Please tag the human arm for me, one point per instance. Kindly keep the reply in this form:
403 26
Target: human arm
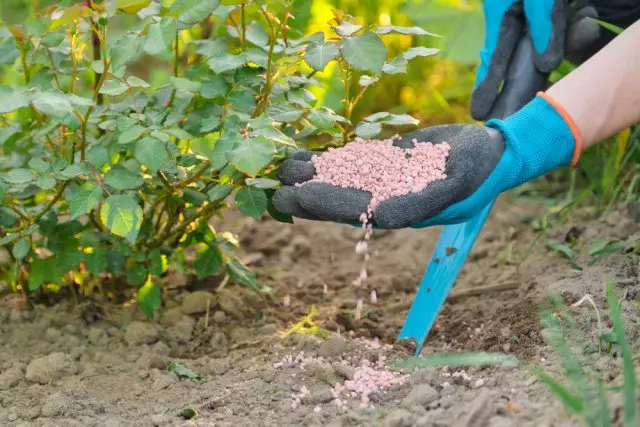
597 100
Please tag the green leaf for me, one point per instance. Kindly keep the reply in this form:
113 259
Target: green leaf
85 199
286 113
3 190
223 146
73 171
368 129
365 80
611 27
322 118
39 165
132 6
571 402
96 262
262 183
388 29
125 50
250 156
122 216
225 61
136 275
242 274
419 51
242 102
40 271
317 56
251 201
151 152
180 133
183 84
182 371
8 238
134 81
366 52
122 179
98 156
11 100
149 298
214 88
208 261
209 48
131 134
400 120
219 192
18 176
21 248
347 28
397 65
160 36
198 12
113 88
45 182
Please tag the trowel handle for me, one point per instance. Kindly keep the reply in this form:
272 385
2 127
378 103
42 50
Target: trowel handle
522 82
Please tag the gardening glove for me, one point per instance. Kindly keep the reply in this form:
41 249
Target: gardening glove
483 162
558 29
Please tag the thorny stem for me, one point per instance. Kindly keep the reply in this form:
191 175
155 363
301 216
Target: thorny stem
171 235
195 176
344 73
176 63
243 27
264 97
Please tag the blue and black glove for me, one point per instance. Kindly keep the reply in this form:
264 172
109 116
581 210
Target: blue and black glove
484 161
557 29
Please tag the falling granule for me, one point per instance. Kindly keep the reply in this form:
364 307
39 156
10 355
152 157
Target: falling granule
286 300
384 170
373 297
325 289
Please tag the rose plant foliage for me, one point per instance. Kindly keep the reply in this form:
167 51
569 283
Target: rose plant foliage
104 175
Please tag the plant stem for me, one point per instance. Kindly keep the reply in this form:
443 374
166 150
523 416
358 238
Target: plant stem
243 27
264 97
170 235
176 63
195 176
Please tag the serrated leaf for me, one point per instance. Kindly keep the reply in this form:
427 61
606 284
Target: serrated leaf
242 102
130 134
208 261
160 36
375 117
113 87
186 85
400 120
368 129
180 133
20 248
11 99
151 152
250 156
419 51
321 119
365 80
209 48
53 103
73 171
3 190
225 61
45 182
214 88
122 216
366 52
96 262
124 50
149 298
347 28
182 371
40 271
132 6
18 176
157 262
122 179
219 192
242 274
286 113
8 238
388 29
39 165
317 56
222 148
84 200
251 201
262 183
199 11
136 275
397 65
98 156
134 81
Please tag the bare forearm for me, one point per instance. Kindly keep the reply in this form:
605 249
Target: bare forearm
602 96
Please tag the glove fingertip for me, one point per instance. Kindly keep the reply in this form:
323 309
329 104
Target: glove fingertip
293 172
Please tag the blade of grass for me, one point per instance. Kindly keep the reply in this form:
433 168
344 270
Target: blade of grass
571 402
455 359
628 370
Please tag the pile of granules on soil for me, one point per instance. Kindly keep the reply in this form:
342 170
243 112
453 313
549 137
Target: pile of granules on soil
379 167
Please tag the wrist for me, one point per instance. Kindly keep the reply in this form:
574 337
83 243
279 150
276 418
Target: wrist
541 137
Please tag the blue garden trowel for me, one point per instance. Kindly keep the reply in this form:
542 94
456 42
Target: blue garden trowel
522 83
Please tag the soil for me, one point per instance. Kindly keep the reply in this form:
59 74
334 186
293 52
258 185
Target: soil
101 364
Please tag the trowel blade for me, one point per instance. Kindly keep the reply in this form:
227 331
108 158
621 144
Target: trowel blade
448 258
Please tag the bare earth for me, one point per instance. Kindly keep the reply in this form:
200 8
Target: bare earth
98 364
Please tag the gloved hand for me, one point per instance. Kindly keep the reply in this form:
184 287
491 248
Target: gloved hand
558 29
483 162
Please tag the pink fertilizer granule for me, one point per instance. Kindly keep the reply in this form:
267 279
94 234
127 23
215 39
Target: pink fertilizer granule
379 167
385 171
